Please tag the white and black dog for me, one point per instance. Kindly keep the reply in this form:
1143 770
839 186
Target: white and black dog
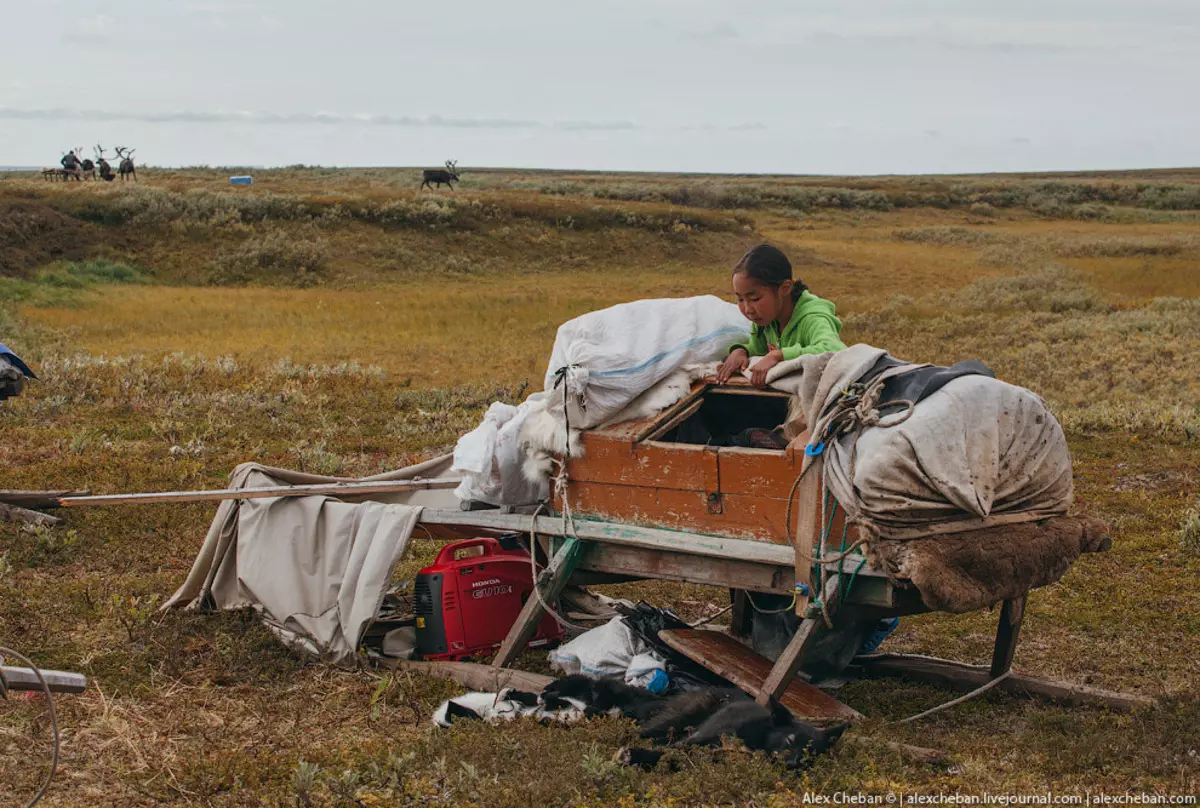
693 718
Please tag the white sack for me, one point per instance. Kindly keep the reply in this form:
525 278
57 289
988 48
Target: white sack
977 453
606 650
617 354
491 457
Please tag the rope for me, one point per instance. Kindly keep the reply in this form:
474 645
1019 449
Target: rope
537 592
977 691
53 722
787 608
858 408
821 558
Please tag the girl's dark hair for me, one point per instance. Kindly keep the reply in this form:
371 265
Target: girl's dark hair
769 266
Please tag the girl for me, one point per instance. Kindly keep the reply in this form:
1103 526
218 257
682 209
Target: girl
789 321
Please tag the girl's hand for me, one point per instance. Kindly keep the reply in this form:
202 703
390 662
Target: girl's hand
735 363
758 375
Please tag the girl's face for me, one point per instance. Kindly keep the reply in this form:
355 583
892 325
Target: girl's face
759 303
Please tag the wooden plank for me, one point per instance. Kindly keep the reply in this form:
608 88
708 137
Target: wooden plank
673 415
550 583
663 426
763 473
731 660
1007 633
810 630
59 681
24 516
38 499
638 562
676 466
969 677
741 618
738 516
463 523
808 532
326 489
475 676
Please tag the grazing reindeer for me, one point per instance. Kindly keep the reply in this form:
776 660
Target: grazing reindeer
437 176
126 167
106 172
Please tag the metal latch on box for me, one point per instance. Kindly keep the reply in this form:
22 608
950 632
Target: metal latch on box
715 503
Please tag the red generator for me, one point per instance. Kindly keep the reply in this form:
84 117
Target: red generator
466 602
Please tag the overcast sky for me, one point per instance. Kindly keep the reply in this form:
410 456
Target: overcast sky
796 86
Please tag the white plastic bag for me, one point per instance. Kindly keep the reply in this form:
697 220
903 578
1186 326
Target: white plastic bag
605 359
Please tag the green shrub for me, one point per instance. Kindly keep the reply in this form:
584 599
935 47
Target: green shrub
1052 288
276 257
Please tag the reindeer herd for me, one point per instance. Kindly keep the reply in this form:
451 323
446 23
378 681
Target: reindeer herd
75 168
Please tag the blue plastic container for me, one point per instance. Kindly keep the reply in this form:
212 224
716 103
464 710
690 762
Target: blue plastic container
241 180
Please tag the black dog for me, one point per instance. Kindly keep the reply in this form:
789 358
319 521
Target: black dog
695 718
772 729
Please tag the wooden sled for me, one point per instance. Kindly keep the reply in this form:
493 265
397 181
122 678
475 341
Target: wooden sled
645 504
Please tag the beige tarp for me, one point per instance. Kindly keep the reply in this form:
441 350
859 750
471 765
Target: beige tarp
315 567
976 453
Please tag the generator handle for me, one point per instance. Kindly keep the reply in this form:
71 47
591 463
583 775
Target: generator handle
490 547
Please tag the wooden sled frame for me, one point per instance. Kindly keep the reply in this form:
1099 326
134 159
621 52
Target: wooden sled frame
591 552
740 518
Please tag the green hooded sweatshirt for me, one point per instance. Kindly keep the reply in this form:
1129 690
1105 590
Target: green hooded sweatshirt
813 329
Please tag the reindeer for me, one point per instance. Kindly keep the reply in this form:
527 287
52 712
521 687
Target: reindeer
106 172
437 176
126 166
86 167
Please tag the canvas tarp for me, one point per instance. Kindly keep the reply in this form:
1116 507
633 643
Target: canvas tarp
315 567
977 453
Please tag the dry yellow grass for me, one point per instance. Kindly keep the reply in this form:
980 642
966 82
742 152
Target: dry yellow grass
411 333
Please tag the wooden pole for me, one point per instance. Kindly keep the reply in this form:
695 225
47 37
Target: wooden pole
328 489
58 681
475 676
809 631
38 499
962 676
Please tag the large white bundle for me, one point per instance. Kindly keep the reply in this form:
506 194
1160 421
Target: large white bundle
977 453
616 354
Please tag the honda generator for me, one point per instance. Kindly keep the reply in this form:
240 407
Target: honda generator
466 602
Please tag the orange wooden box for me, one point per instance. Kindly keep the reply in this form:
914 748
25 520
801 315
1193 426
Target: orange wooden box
640 472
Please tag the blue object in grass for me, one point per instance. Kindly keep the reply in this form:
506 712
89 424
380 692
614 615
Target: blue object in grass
883 628
246 180
15 361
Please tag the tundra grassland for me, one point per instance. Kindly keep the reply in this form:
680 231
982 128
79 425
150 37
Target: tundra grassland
338 321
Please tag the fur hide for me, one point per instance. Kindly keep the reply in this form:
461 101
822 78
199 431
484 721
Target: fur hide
961 572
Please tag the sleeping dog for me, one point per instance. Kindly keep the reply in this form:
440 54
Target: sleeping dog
693 718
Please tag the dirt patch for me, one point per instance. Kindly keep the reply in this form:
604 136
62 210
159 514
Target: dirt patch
33 234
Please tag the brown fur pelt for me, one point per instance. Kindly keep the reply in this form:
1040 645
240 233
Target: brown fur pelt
961 572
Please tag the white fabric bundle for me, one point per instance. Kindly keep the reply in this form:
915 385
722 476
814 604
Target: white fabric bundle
976 453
